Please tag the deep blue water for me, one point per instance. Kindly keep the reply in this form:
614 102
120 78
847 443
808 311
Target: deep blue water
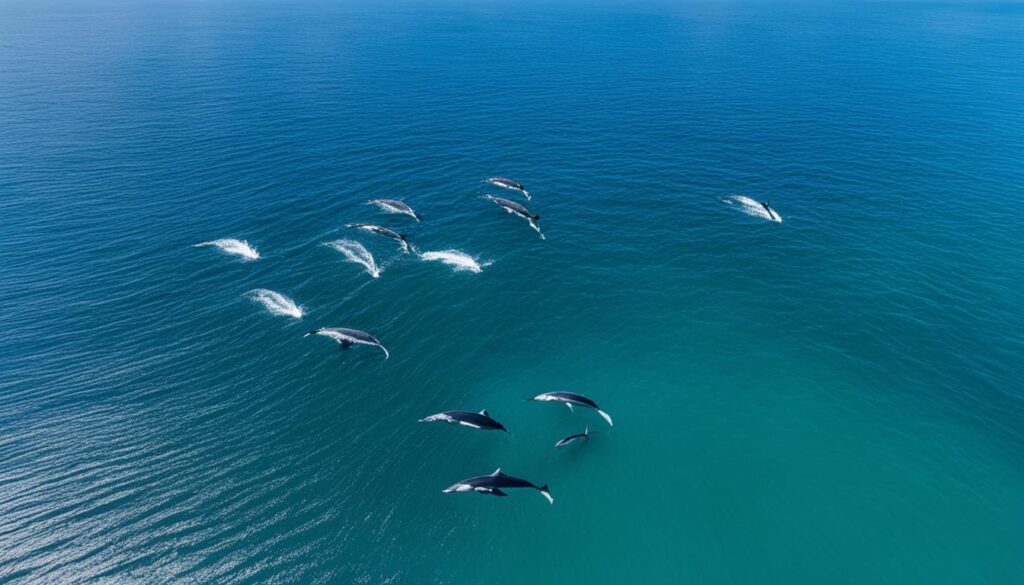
831 399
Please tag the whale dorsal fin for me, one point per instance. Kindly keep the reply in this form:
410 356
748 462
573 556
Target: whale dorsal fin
484 412
497 472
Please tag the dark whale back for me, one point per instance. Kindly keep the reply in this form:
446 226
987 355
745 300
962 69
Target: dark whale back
476 418
499 481
574 398
509 183
515 208
354 333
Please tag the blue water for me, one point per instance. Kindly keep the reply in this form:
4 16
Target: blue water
831 399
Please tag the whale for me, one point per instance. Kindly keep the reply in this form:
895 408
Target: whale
474 420
570 399
383 231
772 214
346 338
753 207
394 206
508 184
565 441
492 485
517 210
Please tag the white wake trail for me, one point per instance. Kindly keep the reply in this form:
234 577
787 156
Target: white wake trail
234 247
752 207
276 303
357 253
460 261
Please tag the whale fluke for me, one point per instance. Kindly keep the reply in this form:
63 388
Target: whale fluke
544 491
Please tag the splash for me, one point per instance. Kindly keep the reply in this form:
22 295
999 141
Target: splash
457 260
234 247
753 207
357 253
276 303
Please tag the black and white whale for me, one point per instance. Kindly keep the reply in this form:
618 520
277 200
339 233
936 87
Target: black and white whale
508 184
584 435
772 214
383 231
571 398
493 483
394 206
474 420
518 210
346 338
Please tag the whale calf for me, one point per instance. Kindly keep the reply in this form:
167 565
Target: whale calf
508 184
349 337
565 441
394 206
492 484
518 210
571 398
474 420
383 231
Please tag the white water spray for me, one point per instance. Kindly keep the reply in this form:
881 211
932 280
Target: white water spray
356 253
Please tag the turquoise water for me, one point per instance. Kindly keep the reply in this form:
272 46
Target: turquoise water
830 399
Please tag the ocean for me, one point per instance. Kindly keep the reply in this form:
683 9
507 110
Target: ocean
833 398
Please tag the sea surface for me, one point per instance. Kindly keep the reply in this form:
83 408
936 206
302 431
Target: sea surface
835 398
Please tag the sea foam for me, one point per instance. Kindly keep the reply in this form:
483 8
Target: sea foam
276 303
357 253
234 247
460 261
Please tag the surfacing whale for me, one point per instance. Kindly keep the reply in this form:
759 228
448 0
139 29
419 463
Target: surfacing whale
753 207
383 231
474 420
394 206
518 210
584 435
346 338
571 398
508 184
772 214
492 484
